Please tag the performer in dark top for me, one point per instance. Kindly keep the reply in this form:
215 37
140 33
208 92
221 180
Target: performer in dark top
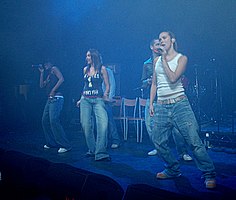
53 130
92 105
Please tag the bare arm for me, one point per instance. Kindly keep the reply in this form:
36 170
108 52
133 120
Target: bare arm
78 102
174 76
42 83
106 81
153 89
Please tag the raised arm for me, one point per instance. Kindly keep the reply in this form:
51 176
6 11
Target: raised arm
174 76
42 82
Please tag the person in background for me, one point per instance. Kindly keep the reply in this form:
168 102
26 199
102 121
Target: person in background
113 134
146 85
54 133
92 104
173 109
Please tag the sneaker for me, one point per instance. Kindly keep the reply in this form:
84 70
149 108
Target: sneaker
210 183
63 150
152 153
46 147
114 146
163 175
187 157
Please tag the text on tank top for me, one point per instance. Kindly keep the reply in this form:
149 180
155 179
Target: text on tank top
93 85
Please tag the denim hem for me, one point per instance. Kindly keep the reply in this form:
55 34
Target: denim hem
167 173
101 157
209 175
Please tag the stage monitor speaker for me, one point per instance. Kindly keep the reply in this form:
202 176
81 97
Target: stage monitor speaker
65 181
22 175
22 169
143 191
101 187
2 151
28 177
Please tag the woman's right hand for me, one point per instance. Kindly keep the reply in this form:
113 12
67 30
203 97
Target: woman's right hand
151 110
78 103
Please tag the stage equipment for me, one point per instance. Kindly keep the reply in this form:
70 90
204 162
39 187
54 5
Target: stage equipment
205 94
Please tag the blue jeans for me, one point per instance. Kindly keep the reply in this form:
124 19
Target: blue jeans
113 134
148 118
96 106
54 132
180 143
180 116
178 138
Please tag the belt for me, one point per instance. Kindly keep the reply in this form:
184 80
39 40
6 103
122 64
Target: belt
55 97
173 100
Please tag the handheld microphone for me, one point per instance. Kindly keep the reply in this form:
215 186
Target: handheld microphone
37 66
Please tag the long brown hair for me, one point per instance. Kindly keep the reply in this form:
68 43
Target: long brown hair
96 59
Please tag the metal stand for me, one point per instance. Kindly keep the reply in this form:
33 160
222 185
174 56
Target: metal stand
142 93
200 114
217 93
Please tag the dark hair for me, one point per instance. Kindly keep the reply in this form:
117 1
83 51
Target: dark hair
49 64
153 41
96 59
172 35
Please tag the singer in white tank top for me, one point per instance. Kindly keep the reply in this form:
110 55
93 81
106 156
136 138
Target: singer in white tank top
173 110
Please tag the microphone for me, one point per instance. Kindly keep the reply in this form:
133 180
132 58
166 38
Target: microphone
37 66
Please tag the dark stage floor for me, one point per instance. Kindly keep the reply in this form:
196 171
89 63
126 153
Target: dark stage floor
130 163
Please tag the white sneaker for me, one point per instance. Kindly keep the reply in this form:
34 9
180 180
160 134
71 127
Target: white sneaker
63 150
187 157
152 153
114 146
46 147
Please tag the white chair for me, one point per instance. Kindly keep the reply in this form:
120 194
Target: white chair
130 115
118 113
141 115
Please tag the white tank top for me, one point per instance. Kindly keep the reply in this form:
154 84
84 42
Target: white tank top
166 89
